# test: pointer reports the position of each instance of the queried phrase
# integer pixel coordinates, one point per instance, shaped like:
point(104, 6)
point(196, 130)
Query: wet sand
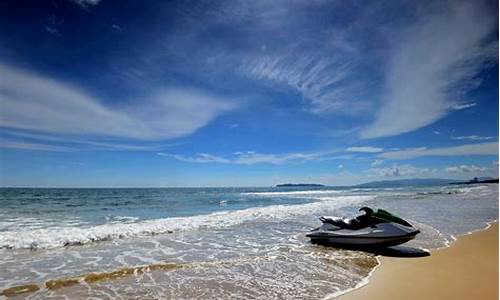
point(466, 270)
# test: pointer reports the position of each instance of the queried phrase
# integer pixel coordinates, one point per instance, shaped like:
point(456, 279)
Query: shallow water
point(208, 243)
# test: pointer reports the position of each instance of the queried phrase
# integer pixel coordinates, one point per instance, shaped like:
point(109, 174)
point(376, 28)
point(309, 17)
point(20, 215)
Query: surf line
point(56, 284)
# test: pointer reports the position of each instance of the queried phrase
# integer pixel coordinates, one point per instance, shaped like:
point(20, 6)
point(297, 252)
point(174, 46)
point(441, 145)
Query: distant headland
point(478, 180)
point(300, 185)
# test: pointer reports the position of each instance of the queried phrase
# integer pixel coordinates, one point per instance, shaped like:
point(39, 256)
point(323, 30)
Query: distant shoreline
point(300, 185)
point(477, 181)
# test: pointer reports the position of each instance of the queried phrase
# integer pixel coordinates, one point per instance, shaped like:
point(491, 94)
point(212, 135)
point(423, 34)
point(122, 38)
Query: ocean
point(207, 243)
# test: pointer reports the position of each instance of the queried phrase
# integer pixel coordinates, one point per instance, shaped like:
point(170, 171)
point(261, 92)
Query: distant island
point(477, 181)
point(300, 185)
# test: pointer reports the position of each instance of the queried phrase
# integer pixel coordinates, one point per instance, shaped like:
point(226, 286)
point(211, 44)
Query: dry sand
point(466, 270)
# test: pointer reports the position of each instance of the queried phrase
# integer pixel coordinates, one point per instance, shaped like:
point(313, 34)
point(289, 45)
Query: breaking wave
point(54, 237)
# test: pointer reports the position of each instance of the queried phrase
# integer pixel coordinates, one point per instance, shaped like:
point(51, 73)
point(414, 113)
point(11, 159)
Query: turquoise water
point(224, 242)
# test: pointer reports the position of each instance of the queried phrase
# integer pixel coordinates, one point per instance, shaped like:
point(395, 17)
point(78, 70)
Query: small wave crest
point(122, 219)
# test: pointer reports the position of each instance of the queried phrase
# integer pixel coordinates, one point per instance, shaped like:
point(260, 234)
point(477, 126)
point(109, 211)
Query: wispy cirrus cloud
point(472, 138)
point(462, 150)
point(365, 149)
point(377, 162)
point(323, 80)
point(256, 158)
point(466, 169)
point(16, 139)
point(73, 145)
point(252, 158)
point(52, 24)
point(10, 144)
point(280, 45)
point(463, 106)
point(34, 102)
point(198, 158)
point(433, 61)
point(86, 3)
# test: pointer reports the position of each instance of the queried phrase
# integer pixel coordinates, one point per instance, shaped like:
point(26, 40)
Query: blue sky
point(238, 93)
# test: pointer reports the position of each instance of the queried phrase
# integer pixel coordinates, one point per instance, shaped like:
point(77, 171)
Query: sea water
point(185, 243)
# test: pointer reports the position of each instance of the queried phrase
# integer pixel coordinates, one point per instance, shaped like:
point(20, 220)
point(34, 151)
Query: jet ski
point(377, 228)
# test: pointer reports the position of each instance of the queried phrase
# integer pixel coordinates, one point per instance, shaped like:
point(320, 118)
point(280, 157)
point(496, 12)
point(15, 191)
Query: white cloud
point(365, 149)
point(30, 101)
point(318, 78)
point(399, 171)
point(199, 158)
point(329, 64)
point(439, 53)
point(52, 24)
point(256, 158)
point(86, 3)
point(32, 146)
point(466, 169)
point(251, 158)
point(472, 138)
point(72, 143)
point(377, 162)
point(436, 132)
point(468, 149)
point(463, 106)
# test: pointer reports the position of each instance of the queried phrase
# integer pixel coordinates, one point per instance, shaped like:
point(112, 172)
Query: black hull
point(360, 242)
point(325, 242)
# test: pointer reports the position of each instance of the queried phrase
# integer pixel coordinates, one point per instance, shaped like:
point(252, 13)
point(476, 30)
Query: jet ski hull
point(352, 241)
point(381, 234)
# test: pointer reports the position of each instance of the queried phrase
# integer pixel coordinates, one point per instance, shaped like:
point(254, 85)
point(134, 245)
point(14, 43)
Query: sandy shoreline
point(466, 270)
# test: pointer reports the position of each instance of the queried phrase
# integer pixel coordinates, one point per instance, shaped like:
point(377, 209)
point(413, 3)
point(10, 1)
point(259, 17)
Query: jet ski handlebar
point(367, 210)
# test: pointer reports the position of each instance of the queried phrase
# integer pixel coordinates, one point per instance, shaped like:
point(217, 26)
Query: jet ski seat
point(352, 224)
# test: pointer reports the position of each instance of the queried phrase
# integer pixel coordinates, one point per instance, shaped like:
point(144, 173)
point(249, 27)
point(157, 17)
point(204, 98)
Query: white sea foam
point(54, 237)
point(477, 188)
